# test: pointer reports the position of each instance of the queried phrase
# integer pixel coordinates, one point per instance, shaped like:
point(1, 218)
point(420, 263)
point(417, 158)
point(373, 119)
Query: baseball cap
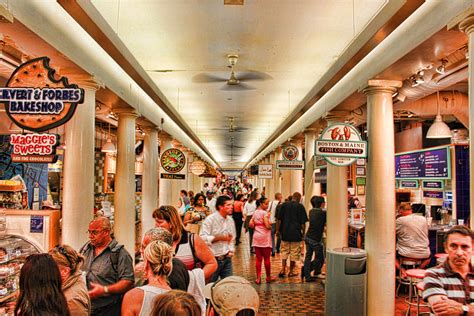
point(231, 295)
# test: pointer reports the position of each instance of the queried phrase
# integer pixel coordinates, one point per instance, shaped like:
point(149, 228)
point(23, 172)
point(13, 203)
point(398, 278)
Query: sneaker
point(320, 276)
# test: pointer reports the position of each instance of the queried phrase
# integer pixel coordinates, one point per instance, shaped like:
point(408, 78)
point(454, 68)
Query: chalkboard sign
point(425, 164)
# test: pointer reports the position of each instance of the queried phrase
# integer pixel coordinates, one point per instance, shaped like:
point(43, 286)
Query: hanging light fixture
point(438, 129)
point(109, 147)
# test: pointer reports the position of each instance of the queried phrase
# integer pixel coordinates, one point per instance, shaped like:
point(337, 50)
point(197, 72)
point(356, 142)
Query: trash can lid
point(348, 252)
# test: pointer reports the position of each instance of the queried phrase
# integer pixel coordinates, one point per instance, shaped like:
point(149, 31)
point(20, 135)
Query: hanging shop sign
point(36, 99)
point(319, 162)
point(433, 194)
point(265, 171)
point(197, 167)
point(34, 148)
point(409, 184)
point(173, 160)
point(424, 164)
point(290, 164)
point(290, 152)
point(341, 145)
point(172, 176)
point(433, 185)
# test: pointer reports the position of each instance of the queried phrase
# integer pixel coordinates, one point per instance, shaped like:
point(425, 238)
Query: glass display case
point(13, 251)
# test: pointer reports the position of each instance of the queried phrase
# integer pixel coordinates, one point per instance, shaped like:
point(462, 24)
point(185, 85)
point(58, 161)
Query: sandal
point(271, 279)
point(292, 274)
point(258, 280)
point(282, 274)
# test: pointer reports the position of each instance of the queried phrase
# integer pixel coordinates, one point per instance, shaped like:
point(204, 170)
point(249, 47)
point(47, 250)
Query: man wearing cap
point(232, 296)
point(218, 231)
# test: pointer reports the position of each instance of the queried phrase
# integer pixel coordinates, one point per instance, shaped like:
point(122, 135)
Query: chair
point(414, 276)
point(406, 263)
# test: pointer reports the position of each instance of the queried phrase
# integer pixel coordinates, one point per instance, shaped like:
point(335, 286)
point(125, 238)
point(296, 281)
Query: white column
point(296, 176)
point(271, 182)
point(309, 139)
point(164, 193)
point(380, 203)
point(124, 197)
point(150, 178)
point(278, 178)
point(78, 185)
point(336, 207)
point(467, 26)
point(285, 180)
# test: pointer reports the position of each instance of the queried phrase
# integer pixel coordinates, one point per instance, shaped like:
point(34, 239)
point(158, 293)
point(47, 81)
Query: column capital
point(85, 81)
point(126, 112)
point(464, 21)
point(382, 86)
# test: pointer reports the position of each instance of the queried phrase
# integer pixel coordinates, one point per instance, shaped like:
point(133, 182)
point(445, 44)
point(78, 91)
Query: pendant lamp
point(438, 129)
point(109, 147)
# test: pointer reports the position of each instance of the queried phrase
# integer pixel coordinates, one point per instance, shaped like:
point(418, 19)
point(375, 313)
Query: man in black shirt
point(291, 220)
point(314, 239)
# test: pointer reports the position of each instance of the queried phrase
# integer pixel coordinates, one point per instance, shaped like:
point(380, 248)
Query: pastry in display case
point(13, 251)
point(11, 194)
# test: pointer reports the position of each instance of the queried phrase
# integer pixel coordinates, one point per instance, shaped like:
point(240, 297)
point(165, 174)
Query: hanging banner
point(265, 171)
point(341, 144)
point(173, 160)
point(36, 99)
point(34, 148)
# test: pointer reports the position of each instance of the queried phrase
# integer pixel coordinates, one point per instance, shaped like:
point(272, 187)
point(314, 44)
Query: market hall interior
point(323, 98)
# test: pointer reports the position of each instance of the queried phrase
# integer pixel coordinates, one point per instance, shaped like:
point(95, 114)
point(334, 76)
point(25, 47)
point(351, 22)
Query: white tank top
point(150, 293)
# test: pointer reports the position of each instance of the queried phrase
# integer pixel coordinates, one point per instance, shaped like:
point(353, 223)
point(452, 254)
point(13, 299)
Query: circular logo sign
point(341, 144)
point(36, 99)
point(290, 152)
point(197, 167)
point(173, 160)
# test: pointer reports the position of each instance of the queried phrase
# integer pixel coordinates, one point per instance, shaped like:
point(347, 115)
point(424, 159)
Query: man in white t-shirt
point(272, 207)
point(211, 201)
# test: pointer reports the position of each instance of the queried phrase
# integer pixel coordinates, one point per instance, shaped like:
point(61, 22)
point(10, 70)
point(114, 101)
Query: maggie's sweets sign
point(34, 147)
point(37, 99)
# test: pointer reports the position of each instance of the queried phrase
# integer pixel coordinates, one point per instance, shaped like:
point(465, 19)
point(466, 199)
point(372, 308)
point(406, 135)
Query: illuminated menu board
point(425, 164)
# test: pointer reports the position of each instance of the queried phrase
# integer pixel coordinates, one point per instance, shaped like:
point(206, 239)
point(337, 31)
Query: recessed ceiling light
point(229, 99)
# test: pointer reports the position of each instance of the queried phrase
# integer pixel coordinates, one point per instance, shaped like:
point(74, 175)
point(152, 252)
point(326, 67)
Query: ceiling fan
point(232, 127)
point(235, 81)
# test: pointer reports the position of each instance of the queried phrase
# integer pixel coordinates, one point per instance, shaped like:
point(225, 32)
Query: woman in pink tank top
point(262, 239)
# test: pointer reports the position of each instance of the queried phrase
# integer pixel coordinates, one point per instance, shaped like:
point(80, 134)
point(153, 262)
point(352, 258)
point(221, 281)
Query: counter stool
point(440, 258)
point(420, 287)
point(406, 263)
point(414, 276)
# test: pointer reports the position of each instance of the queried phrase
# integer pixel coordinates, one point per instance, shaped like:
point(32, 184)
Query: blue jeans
point(316, 247)
point(224, 269)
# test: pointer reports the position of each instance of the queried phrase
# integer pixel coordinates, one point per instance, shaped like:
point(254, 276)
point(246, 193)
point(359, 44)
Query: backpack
point(114, 256)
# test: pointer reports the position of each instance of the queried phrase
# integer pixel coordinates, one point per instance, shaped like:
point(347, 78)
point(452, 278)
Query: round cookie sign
point(290, 152)
point(36, 99)
point(173, 160)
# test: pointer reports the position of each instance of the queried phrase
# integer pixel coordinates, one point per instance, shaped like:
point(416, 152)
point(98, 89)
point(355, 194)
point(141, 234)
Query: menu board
point(425, 164)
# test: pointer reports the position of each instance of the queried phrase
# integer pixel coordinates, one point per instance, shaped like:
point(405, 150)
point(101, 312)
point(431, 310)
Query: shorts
point(291, 249)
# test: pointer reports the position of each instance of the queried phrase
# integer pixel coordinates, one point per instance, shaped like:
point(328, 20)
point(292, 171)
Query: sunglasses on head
point(63, 251)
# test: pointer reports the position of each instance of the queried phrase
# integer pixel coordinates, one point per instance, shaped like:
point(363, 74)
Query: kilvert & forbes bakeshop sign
point(36, 99)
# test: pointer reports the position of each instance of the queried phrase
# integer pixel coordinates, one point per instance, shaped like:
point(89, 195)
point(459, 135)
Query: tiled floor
point(289, 296)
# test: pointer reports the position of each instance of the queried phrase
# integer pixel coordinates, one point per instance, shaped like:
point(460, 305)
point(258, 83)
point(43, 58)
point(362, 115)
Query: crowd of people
point(185, 263)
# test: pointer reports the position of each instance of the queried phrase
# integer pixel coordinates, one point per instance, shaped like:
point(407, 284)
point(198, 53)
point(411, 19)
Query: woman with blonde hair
point(74, 286)
point(189, 247)
point(158, 265)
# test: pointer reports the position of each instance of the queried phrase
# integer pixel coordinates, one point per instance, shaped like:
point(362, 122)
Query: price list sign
point(426, 164)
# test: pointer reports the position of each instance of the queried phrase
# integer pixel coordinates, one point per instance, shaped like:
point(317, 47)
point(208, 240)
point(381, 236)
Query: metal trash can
point(346, 279)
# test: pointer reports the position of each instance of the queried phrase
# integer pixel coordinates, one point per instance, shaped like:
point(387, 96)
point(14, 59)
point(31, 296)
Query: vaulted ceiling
point(284, 48)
